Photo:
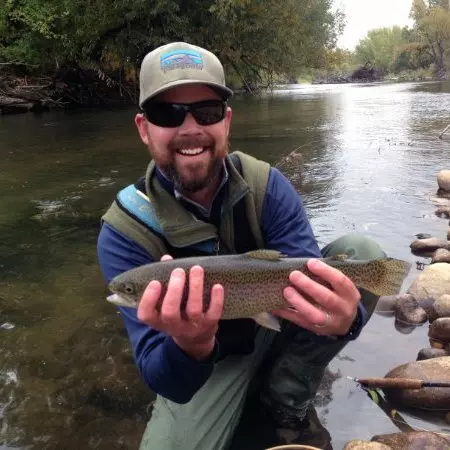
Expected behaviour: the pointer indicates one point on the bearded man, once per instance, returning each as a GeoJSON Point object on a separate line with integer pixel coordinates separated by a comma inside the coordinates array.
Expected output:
{"type": "Point", "coordinates": [197, 199]}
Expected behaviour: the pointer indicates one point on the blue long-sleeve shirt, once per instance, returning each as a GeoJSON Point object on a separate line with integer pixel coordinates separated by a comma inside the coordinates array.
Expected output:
{"type": "Point", "coordinates": [166, 369]}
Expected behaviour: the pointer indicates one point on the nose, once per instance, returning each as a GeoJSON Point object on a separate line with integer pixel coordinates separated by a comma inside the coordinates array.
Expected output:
{"type": "Point", "coordinates": [190, 125]}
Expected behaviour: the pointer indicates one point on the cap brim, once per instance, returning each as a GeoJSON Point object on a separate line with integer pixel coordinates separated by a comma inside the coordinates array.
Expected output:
{"type": "Point", "coordinates": [221, 90]}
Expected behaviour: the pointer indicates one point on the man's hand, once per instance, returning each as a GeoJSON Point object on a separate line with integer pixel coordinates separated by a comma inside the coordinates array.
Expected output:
{"type": "Point", "coordinates": [336, 308]}
{"type": "Point", "coordinates": [193, 331]}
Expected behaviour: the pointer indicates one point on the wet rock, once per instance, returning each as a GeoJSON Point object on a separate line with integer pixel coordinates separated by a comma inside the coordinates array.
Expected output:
{"type": "Point", "coordinates": [365, 445]}
{"type": "Point", "coordinates": [443, 211]}
{"type": "Point", "coordinates": [429, 245]}
{"type": "Point", "coordinates": [386, 304]}
{"type": "Point", "coordinates": [433, 282]}
{"type": "Point", "coordinates": [427, 397]}
{"type": "Point", "coordinates": [423, 235]}
{"type": "Point", "coordinates": [441, 255]}
{"type": "Point", "coordinates": [447, 417]}
{"type": "Point", "coordinates": [443, 180]}
{"type": "Point", "coordinates": [440, 308]}
{"type": "Point", "coordinates": [429, 353]}
{"type": "Point", "coordinates": [439, 332]}
{"type": "Point", "coordinates": [413, 440]}
{"type": "Point", "coordinates": [408, 311]}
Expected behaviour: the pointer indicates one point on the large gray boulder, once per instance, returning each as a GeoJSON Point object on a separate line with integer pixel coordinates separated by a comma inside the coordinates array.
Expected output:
{"type": "Point", "coordinates": [433, 282]}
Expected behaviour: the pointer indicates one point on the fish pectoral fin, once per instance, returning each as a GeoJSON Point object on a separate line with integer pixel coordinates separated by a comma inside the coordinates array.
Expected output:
{"type": "Point", "coordinates": [267, 320]}
{"type": "Point", "coordinates": [269, 255]}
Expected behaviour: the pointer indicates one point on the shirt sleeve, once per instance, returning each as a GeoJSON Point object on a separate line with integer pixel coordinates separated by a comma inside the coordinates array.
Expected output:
{"type": "Point", "coordinates": [286, 228]}
{"type": "Point", "coordinates": [165, 368]}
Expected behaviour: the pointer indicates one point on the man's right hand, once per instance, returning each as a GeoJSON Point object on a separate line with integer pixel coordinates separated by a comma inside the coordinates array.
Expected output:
{"type": "Point", "coordinates": [194, 331]}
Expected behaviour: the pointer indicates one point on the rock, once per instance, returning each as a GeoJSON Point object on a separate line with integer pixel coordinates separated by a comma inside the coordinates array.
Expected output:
{"type": "Point", "coordinates": [408, 311]}
{"type": "Point", "coordinates": [443, 194]}
{"type": "Point", "coordinates": [441, 255]}
{"type": "Point", "coordinates": [423, 235]}
{"type": "Point", "coordinates": [386, 304]}
{"type": "Point", "coordinates": [433, 282]}
{"type": "Point", "coordinates": [365, 445]}
{"type": "Point", "coordinates": [413, 440]}
{"type": "Point", "coordinates": [447, 417]}
{"type": "Point", "coordinates": [439, 332]}
{"type": "Point", "coordinates": [448, 235]}
{"type": "Point", "coordinates": [429, 353]}
{"type": "Point", "coordinates": [440, 308]}
{"type": "Point", "coordinates": [429, 245]}
{"type": "Point", "coordinates": [443, 180]}
{"type": "Point", "coordinates": [427, 397]}
{"type": "Point", "coordinates": [443, 211]}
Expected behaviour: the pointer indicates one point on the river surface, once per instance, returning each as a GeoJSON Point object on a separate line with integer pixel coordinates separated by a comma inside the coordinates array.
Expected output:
{"type": "Point", "coordinates": [67, 379]}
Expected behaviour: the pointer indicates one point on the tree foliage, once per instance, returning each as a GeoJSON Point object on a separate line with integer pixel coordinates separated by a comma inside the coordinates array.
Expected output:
{"type": "Point", "coordinates": [432, 23]}
{"type": "Point", "coordinates": [256, 39]}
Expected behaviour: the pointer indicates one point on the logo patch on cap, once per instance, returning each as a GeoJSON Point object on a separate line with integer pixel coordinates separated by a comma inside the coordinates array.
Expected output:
{"type": "Point", "coordinates": [181, 59]}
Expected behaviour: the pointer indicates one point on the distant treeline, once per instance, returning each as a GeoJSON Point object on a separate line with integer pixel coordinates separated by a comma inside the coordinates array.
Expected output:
{"type": "Point", "coordinates": [425, 46]}
{"type": "Point", "coordinates": [102, 42]}
{"type": "Point", "coordinates": [80, 51]}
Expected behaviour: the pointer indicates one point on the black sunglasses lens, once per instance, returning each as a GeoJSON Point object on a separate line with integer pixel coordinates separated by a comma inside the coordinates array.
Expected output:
{"type": "Point", "coordinates": [208, 113]}
{"type": "Point", "coordinates": [172, 114]}
{"type": "Point", "coordinates": [165, 114]}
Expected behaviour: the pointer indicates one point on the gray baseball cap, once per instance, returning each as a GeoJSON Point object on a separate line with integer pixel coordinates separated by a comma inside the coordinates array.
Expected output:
{"type": "Point", "coordinates": [180, 63]}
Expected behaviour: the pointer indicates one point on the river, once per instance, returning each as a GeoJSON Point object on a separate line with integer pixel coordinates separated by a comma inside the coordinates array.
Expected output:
{"type": "Point", "coordinates": [67, 379]}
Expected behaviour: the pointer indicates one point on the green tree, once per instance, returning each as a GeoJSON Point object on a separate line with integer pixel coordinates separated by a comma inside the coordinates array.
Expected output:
{"type": "Point", "coordinates": [380, 48]}
{"type": "Point", "coordinates": [432, 22]}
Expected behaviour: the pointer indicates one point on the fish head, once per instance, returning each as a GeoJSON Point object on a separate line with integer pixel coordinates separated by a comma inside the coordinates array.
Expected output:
{"type": "Point", "coordinates": [124, 293]}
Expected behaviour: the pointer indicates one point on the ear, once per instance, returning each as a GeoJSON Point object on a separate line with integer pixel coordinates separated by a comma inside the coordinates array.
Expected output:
{"type": "Point", "coordinates": [228, 115]}
{"type": "Point", "coordinates": [141, 125]}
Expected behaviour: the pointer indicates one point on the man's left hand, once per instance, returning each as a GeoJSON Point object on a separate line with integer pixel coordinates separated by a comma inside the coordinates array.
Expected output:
{"type": "Point", "coordinates": [336, 308]}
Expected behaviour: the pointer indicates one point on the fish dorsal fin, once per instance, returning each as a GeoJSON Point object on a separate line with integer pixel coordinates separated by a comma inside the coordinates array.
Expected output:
{"type": "Point", "coordinates": [339, 257]}
{"type": "Point", "coordinates": [269, 255]}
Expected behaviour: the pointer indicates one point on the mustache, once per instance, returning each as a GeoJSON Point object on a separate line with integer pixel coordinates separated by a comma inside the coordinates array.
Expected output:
{"type": "Point", "coordinates": [191, 142]}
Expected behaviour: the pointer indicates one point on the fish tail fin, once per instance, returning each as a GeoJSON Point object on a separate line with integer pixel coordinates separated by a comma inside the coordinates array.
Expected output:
{"type": "Point", "coordinates": [386, 276]}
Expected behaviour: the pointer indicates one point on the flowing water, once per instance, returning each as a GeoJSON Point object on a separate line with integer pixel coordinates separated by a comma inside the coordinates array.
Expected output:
{"type": "Point", "coordinates": [67, 378]}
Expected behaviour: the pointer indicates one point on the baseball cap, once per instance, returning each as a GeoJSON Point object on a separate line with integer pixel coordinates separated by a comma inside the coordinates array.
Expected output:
{"type": "Point", "coordinates": [180, 63]}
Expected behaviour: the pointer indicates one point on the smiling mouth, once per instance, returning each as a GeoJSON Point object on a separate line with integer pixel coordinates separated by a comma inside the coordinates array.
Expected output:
{"type": "Point", "coordinates": [191, 151]}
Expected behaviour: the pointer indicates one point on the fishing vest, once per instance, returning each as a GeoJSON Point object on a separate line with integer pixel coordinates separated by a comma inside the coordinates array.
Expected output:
{"type": "Point", "coordinates": [149, 215]}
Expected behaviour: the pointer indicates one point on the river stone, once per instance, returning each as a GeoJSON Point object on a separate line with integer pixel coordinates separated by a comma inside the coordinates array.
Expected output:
{"type": "Point", "coordinates": [447, 417]}
{"type": "Point", "coordinates": [448, 235]}
{"type": "Point", "coordinates": [433, 282]}
{"type": "Point", "coordinates": [440, 308]}
{"type": "Point", "coordinates": [440, 331]}
{"type": "Point", "coordinates": [429, 353]}
{"type": "Point", "coordinates": [429, 245]}
{"type": "Point", "coordinates": [443, 180]}
{"type": "Point", "coordinates": [414, 440]}
{"type": "Point", "coordinates": [443, 211]}
{"type": "Point", "coordinates": [427, 397]}
{"type": "Point", "coordinates": [441, 255]}
{"type": "Point", "coordinates": [407, 310]}
{"type": "Point", "coordinates": [365, 445]}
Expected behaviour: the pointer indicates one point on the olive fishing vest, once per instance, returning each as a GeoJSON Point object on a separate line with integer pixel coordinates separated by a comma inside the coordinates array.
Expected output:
{"type": "Point", "coordinates": [149, 215]}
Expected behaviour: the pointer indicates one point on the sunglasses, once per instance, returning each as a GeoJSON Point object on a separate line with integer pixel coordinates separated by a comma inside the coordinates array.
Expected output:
{"type": "Point", "coordinates": [172, 115]}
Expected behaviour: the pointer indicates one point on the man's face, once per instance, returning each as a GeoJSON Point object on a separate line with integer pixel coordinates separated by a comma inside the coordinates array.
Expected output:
{"type": "Point", "coordinates": [191, 154]}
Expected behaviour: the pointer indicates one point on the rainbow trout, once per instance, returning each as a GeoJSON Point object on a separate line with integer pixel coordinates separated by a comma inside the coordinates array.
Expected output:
{"type": "Point", "coordinates": [254, 281]}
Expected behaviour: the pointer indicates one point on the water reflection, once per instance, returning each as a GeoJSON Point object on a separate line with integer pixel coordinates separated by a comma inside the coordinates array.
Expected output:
{"type": "Point", "coordinates": [67, 379]}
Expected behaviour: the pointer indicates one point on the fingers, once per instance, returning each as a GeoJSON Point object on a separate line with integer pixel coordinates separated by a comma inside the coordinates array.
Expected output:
{"type": "Point", "coordinates": [147, 307]}
{"type": "Point", "coordinates": [166, 258]}
{"type": "Point", "coordinates": [194, 305]}
{"type": "Point", "coordinates": [170, 309]}
{"type": "Point", "coordinates": [215, 310]}
{"type": "Point", "coordinates": [341, 284]}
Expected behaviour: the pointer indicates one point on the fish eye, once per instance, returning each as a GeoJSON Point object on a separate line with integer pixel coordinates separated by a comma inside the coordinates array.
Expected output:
{"type": "Point", "coordinates": [128, 288]}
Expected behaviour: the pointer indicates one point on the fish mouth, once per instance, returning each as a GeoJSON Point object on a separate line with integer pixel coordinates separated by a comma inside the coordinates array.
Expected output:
{"type": "Point", "coordinates": [121, 300]}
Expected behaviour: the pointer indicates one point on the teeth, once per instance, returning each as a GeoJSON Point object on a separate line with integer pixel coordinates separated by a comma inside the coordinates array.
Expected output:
{"type": "Point", "coordinates": [191, 151]}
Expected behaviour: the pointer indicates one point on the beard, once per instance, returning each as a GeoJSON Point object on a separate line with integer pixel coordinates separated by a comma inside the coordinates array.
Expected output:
{"type": "Point", "coordinates": [194, 177]}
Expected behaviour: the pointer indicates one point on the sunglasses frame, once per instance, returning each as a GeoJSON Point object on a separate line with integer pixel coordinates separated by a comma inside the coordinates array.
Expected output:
{"type": "Point", "coordinates": [185, 108]}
